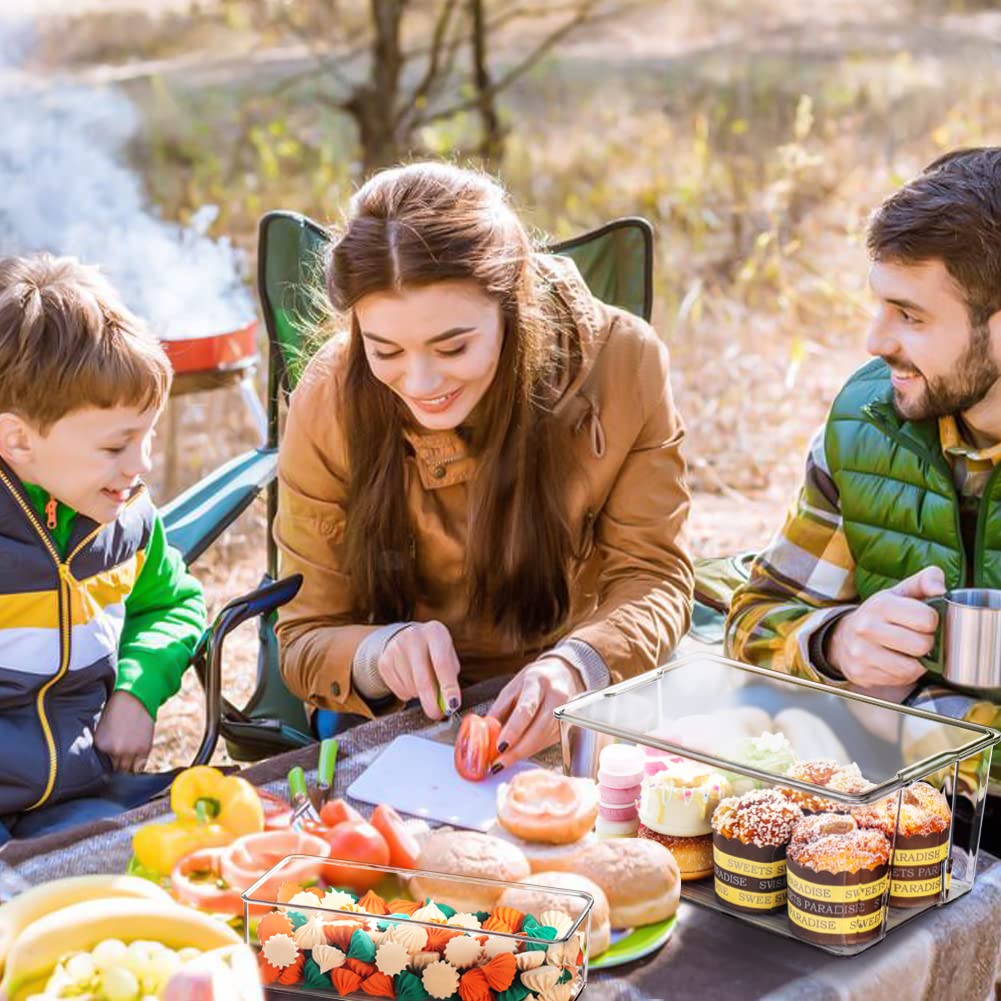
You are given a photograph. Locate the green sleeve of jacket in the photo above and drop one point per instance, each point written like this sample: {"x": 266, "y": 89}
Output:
{"x": 164, "y": 619}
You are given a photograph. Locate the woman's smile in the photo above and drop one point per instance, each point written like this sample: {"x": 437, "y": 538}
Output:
{"x": 436, "y": 404}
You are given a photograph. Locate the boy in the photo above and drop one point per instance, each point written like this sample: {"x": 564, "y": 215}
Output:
{"x": 98, "y": 616}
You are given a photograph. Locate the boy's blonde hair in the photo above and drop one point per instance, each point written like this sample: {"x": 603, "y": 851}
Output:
{"x": 68, "y": 342}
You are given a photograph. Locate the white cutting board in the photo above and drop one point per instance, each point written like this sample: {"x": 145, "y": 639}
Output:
{"x": 418, "y": 777}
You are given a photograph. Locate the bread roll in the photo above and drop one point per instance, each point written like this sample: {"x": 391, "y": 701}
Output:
{"x": 640, "y": 878}
{"x": 467, "y": 853}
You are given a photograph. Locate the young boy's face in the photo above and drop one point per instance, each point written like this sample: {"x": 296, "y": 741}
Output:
{"x": 92, "y": 459}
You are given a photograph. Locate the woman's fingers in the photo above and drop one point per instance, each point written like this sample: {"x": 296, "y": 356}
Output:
{"x": 526, "y": 708}
{"x": 445, "y": 664}
{"x": 540, "y": 734}
{"x": 507, "y": 699}
{"x": 414, "y": 662}
{"x": 398, "y": 681}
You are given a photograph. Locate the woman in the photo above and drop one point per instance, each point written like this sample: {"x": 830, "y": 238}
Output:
{"x": 482, "y": 476}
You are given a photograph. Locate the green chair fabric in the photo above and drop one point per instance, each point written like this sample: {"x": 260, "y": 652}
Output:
{"x": 195, "y": 518}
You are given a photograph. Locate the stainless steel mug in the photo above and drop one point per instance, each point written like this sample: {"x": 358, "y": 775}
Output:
{"x": 967, "y": 649}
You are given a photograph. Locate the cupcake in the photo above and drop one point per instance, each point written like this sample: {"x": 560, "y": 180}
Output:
{"x": 676, "y": 808}
{"x": 828, "y": 773}
{"x": 768, "y": 752}
{"x": 921, "y": 848}
{"x": 750, "y": 834}
{"x": 837, "y": 875}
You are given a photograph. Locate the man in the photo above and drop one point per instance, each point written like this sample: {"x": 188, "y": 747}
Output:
{"x": 902, "y": 495}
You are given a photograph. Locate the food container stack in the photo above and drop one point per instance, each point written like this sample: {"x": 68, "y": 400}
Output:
{"x": 748, "y": 781}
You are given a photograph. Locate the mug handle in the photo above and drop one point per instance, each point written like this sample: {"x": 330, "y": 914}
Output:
{"x": 934, "y": 660}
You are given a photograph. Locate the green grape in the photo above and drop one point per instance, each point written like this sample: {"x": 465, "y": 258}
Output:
{"x": 119, "y": 984}
{"x": 110, "y": 953}
{"x": 161, "y": 966}
{"x": 80, "y": 968}
{"x": 189, "y": 953}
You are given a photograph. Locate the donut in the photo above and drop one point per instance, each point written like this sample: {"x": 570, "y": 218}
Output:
{"x": 544, "y": 806}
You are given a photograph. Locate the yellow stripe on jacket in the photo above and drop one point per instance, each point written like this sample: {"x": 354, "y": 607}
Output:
{"x": 88, "y": 599}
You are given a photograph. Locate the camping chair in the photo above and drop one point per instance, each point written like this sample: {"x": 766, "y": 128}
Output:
{"x": 615, "y": 260}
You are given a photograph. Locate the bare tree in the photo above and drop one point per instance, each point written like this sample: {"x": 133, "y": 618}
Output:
{"x": 398, "y": 66}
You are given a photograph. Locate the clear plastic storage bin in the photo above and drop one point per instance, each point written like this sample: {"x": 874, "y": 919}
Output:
{"x": 892, "y": 799}
{"x": 321, "y": 942}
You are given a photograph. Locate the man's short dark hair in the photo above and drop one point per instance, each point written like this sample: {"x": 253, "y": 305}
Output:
{"x": 951, "y": 212}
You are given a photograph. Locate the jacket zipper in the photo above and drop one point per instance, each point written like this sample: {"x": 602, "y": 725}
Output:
{"x": 876, "y": 419}
{"x": 65, "y": 624}
{"x": 982, "y": 526}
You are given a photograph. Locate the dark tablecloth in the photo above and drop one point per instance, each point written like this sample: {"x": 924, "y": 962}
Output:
{"x": 952, "y": 953}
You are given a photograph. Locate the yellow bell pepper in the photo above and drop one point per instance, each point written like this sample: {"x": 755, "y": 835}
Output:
{"x": 204, "y": 795}
{"x": 212, "y": 810}
{"x": 159, "y": 847}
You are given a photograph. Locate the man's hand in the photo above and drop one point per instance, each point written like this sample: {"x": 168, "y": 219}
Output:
{"x": 879, "y": 643}
{"x": 125, "y": 732}
{"x": 525, "y": 707}
{"x": 420, "y": 660}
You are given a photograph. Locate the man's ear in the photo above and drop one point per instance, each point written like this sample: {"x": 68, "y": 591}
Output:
{"x": 15, "y": 439}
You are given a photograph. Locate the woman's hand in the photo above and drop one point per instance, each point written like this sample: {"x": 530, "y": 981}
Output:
{"x": 525, "y": 707}
{"x": 417, "y": 662}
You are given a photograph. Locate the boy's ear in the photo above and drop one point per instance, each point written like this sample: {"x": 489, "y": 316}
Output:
{"x": 15, "y": 439}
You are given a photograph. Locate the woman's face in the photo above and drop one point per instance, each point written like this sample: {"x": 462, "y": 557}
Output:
{"x": 435, "y": 346}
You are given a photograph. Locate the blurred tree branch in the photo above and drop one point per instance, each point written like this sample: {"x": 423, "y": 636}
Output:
{"x": 396, "y": 67}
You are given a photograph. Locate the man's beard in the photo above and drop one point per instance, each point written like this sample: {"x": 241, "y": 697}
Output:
{"x": 972, "y": 379}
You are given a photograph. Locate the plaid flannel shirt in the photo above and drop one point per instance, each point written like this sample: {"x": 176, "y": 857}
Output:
{"x": 806, "y": 575}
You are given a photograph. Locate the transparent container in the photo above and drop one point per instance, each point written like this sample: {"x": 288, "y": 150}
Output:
{"x": 335, "y": 947}
{"x": 917, "y": 793}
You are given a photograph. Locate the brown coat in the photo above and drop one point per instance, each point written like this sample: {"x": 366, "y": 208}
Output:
{"x": 631, "y": 590}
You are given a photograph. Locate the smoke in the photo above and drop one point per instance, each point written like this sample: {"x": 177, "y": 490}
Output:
{"x": 66, "y": 187}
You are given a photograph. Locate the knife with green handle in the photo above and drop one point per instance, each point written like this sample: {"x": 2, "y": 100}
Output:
{"x": 325, "y": 769}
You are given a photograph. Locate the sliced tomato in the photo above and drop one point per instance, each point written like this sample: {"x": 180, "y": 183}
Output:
{"x": 403, "y": 847}
{"x": 355, "y": 841}
{"x": 197, "y": 881}
{"x": 476, "y": 746}
{"x": 336, "y": 811}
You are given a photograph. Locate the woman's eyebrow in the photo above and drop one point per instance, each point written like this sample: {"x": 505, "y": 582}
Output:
{"x": 447, "y": 335}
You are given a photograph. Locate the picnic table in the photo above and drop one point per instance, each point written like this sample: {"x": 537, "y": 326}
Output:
{"x": 948, "y": 953}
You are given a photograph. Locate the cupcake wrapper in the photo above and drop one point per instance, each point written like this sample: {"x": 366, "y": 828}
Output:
{"x": 749, "y": 878}
{"x": 919, "y": 870}
{"x": 845, "y": 908}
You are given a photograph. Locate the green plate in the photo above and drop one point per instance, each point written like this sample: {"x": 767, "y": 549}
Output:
{"x": 634, "y": 944}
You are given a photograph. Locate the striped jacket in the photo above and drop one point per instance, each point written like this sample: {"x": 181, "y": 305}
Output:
{"x": 61, "y": 620}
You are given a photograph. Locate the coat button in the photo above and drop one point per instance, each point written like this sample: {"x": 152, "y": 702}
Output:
{"x": 335, "y": 689}
{"x": 439, "y": 472}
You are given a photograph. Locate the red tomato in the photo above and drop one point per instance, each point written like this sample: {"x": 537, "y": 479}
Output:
{"x": 336, "y": 811}
{"x": 355, "y": 841}
{"x": 403, "y": 847}
{"x": 476, "y": 746}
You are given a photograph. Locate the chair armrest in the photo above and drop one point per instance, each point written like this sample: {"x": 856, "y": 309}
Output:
{"x": 198, "y": 516}
{"x": 208, "y": 654}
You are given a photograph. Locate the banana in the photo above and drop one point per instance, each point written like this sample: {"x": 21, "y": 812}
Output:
{"x": 81, "y": 926}
{"x": 29, "y": 906}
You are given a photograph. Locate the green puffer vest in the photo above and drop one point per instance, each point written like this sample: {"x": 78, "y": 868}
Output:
{"x": 898, "y": 500}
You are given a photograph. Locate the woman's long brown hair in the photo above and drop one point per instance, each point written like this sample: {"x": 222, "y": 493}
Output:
{"x": 413, "y": 226}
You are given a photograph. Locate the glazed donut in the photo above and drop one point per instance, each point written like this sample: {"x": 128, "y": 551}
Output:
{"x": 543, "y": 806}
